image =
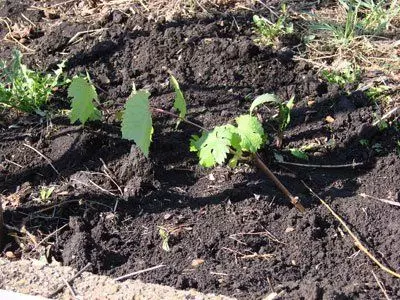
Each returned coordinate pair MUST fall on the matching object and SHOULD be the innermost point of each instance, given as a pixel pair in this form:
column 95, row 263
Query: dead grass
column 152, row 9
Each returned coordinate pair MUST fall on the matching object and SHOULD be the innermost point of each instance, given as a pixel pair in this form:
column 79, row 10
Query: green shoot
column 45, row 193
column 179, row 103
column 24, row 89
column 265, row 98
column 284, row 111
column 215, row 146
column 164, row 234
column 270, row 31
column 364, row 142
column 83, row 93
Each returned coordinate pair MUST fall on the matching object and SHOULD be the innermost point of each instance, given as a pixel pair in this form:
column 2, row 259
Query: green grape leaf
column 213, row 146
column 251, row 133
column 137, row 124
column 83, row 93
column 263, row 99
column 179, row 103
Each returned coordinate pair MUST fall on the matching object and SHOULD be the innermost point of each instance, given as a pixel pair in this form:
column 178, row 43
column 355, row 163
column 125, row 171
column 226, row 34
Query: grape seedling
column 215, row 146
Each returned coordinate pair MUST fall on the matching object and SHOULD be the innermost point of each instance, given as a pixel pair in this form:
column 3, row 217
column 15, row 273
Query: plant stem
column 154, row 109
column 294, row 200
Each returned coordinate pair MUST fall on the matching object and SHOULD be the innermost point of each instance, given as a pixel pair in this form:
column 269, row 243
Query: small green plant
column 45, row 193
column 398, row 147
column 364, row 142
column 284, row 112
column 24, row 89
column 84, row 96
column 214, row 146
column 164, row 234
column 346, row 75
column 270, row 31
column 379, row 93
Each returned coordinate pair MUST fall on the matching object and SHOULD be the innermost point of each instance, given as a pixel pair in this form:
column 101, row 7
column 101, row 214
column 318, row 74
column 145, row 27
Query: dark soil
column 217, row 215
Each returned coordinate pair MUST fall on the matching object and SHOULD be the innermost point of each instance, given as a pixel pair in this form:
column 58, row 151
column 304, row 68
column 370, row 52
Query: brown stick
column 294, row 200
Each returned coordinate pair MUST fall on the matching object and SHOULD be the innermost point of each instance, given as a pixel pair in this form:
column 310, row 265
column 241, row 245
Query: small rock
column 197, row 262
column 167, row 216
column 289, row 229
column 329, row 119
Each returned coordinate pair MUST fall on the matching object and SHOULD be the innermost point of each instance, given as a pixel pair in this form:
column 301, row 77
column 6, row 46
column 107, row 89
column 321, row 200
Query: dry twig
column 49, row 236
column 138, row 272
column 380, row 199
column 58, row 290
column 42, row 155
column 381, row 286
column 352, row 165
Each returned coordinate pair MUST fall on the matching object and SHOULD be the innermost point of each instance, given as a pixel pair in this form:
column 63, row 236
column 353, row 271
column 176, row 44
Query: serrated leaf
column 263, row 99
column 213, row 146
column 137, row 124
column 82, row 108
column 251, row 133
column 179, row 103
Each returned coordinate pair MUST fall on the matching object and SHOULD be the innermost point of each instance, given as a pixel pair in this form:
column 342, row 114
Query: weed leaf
column 137, row 124
column 179, row 103
column 263, row 99
column 83, row 93
column 251, row 133
column 298, row 153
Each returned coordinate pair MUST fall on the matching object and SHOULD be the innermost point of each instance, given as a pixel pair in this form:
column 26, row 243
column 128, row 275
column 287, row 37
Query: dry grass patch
column 152, row 9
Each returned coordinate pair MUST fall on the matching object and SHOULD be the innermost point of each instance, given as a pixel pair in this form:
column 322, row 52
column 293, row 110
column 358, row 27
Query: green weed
column 270, row 31
column 347, row 75
column 24, row 89
column 45, row 193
